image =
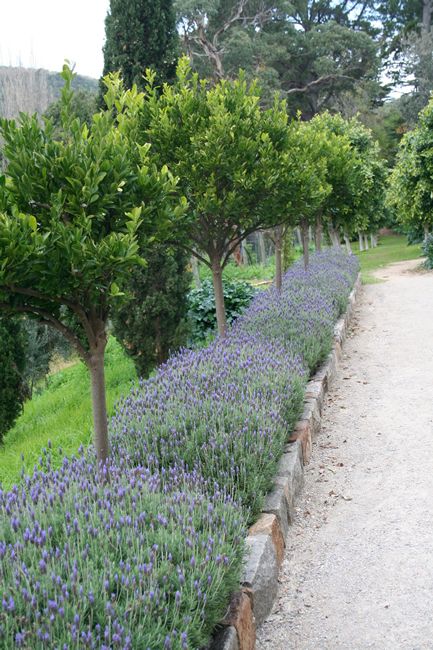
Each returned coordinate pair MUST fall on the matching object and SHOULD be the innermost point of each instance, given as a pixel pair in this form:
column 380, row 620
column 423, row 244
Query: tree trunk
column 361, row 242
column 217, row 277
column 305, row 242
column 288, row 249
column 372, row 240
column 366, row 242
column 347, row 242
column 99, row 404
column 195, row 272
column 262, row 248
column 334, row 235
column 318, row 233
column 426, row 15
column 278, row 234
column 298, row 236
column 426, row 232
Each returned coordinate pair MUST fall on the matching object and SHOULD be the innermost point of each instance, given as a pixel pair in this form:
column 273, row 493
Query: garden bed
column 150, row 557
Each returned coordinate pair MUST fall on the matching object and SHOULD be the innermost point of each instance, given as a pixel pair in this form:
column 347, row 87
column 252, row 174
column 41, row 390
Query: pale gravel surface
column 358, row 571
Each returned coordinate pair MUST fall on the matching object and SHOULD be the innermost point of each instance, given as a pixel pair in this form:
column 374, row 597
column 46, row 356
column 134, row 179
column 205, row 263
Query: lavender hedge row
column 148, row 558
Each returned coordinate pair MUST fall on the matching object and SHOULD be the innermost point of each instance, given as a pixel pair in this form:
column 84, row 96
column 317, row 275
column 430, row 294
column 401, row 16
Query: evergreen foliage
column 154, row 321
column 12, row 387
column 140, row 34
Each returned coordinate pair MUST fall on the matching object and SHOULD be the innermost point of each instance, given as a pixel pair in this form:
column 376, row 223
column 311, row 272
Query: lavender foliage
column 147, row 557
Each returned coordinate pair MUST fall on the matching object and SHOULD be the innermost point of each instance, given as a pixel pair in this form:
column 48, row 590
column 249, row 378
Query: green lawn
column 391, row 248
column 62, row 414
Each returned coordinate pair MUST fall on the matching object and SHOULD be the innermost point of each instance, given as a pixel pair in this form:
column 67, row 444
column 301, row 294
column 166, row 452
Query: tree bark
column 334, row 235
column 217, row 277
column 366, row 242
column 347, row 242
column 298, row 236
column 426, row 15
column 305, row 242
column 426, row 231
column 262, row 248
column 318, row 233
column 99, row 404
column 195, row 273
column 361, row 242
column 278, row 234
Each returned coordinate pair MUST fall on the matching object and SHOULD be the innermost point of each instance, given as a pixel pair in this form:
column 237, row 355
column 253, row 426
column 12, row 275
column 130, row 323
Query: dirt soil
column 358, row 571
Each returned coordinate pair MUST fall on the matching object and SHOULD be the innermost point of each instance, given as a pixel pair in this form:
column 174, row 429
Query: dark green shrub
column 427, row 248
column 153, row 322
column 12, row 385
column 237, row 297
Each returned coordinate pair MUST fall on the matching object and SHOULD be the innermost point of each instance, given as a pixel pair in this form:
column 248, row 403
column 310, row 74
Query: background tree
column 153, row 322
column 12, row 386
column 141, row 34
column 311, row 52
column 221, row 146
column 411, row 183
column 70, row 213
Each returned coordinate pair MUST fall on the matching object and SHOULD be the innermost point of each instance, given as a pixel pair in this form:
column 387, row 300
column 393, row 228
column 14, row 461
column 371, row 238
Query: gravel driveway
column 358, row 571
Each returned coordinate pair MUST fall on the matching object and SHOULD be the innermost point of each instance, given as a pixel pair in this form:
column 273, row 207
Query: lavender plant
column 148, row 558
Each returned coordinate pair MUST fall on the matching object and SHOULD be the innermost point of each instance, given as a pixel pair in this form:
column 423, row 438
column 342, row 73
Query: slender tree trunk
column 278, row 234
column 361, row 242
column 298, row 236
column 195, row 272
column 288, row 250
column 366, row 242
column 99, row 404
column 426, row 231
column 334, row 235
column 217, row 277
column 262, row 248
column 305, row 242
column 426, row 15
column 310, row 235
column 318, row 233
column 347, row 242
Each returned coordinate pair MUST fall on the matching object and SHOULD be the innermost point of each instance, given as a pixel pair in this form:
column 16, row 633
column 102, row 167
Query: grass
column 391, row 248
column 62, row 414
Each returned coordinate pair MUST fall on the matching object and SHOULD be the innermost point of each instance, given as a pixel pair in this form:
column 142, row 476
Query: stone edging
column 267, row 537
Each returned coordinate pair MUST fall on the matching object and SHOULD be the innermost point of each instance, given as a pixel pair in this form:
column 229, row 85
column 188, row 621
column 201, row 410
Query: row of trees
column 196, row 166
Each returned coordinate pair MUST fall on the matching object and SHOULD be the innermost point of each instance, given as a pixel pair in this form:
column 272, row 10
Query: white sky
column 43, row 33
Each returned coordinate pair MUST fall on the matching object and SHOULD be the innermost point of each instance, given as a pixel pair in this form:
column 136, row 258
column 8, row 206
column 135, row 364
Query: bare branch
column 323, row 80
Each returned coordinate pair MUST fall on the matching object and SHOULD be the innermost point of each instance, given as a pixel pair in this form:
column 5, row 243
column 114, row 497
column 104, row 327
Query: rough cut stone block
column 261, row 575
column 315, row 390
column 226, row 639
column 268, row 524
column 302, row 432
column 240, row 616
column 296, row 474
column 340, row 329
column 277, row 503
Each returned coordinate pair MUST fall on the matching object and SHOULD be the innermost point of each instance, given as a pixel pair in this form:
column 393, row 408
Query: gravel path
column 358, row 571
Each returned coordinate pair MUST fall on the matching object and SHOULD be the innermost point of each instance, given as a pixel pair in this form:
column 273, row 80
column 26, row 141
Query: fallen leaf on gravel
column 331, row 469
column 346, row 498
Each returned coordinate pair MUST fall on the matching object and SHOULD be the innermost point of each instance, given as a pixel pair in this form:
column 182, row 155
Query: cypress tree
column 141, row 34
column 12, row 386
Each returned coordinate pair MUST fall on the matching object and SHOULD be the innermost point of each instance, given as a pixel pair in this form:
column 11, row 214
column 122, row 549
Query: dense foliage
column 12, row 385
column 150, row 557
column 427, row 249
column 141, row 34
column 152, row 321
column 201, row 303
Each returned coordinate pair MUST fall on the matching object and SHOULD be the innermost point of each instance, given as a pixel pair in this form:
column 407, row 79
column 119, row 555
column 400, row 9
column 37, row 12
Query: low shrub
column 148, row 558
column 427, row 249
column 201, row 303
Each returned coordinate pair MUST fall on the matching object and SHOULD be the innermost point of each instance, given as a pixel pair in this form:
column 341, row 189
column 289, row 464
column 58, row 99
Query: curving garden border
column 267, row 537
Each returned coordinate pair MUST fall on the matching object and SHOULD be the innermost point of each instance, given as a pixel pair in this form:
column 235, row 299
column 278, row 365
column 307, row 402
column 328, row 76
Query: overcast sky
column 43, row 33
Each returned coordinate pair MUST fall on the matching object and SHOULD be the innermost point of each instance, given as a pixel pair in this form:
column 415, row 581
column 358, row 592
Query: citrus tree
column 74, row 213
column 221, row 146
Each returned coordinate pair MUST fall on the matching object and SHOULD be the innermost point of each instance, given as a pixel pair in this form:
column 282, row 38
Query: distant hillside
column 32, row 91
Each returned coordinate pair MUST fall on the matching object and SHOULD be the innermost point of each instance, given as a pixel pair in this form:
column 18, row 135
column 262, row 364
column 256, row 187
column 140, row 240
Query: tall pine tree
column 142, row 34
